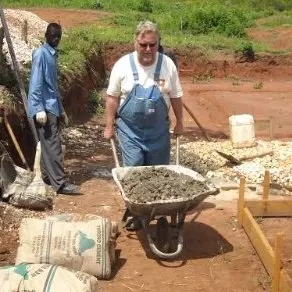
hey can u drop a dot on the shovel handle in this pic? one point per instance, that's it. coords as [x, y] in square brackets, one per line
[13, 138]
[115, 153]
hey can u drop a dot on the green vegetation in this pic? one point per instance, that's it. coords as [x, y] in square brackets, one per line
[96, 103]
[79, 43]
[207, 25]
[258, 85]
[279, 19]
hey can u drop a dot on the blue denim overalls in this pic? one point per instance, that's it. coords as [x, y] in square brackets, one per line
[143, 123]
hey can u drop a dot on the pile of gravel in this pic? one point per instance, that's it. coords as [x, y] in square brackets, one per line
[275, 156]
[36, 30]
[155, 184]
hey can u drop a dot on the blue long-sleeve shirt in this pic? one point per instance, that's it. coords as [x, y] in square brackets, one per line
[43, 89]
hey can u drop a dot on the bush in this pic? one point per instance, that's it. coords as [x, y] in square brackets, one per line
[96, 102]
[247, 51]
[229, 22]
[97, 5]
[145, 6]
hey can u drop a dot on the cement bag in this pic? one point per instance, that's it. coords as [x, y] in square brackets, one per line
[21, 192]
[45, 278]
[81, 246]
[74, 217]
[31, 201]
[22, 180]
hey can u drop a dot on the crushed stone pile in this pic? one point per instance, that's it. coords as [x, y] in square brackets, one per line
[36, 28]
[275, 156]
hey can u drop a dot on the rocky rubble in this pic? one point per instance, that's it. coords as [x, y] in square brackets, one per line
[36, 28]
[275, 156]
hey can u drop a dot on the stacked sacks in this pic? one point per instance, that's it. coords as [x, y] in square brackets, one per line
[86, 246]
[44, 277]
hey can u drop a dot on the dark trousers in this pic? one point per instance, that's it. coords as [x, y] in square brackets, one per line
[51, 159]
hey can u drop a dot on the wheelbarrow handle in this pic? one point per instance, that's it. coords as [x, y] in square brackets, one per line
[115, 153]
[177, 150]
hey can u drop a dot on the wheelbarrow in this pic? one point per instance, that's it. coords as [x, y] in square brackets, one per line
[168, 243]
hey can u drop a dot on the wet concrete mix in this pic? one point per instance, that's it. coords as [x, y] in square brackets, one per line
[154, 184]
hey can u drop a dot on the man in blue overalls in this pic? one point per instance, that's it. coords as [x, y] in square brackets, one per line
[141, 89]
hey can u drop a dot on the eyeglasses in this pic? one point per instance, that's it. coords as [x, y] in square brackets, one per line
[142, 45]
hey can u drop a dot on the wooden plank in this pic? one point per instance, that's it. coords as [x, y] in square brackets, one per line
[277, 262]
[240, 202]
[285, 282]
[259, 241]
[271, 208]
[266, 185]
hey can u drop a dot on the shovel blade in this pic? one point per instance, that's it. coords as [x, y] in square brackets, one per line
[230, 158]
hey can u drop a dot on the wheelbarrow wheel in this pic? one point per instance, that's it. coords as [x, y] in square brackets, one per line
[163, 235]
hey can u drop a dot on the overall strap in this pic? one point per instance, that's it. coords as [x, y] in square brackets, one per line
[158, 67]
[134, 68]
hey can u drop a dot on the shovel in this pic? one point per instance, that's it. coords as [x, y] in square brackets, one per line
[230, 158]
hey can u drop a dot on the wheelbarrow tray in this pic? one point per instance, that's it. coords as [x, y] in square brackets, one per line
[163, 207]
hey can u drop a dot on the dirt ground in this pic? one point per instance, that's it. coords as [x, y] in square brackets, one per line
[217, 255]
[272, 226]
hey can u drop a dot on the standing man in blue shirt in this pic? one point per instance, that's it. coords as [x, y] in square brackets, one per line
[45, 107]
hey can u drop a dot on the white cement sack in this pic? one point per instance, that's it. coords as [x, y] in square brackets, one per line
[73, 217]
[81, 246]
[76, 217]
[45, 278]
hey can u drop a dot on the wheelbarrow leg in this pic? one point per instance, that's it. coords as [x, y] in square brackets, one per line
[163, 234]
[162, 254]
[167, 233]
[131, 222]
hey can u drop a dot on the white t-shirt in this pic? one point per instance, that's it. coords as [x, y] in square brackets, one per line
[122, 80]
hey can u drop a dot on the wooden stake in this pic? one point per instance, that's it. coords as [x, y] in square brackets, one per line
[271, 129]
[240, 202]
[277, 262]
[266, 186]
[24, 31]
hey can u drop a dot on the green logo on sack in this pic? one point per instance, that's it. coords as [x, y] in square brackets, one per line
[85, 243]
[22, 271]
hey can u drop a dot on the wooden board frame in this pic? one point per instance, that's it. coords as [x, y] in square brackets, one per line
[271, 258]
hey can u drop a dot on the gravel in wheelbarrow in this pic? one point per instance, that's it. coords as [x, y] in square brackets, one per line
[161, 190]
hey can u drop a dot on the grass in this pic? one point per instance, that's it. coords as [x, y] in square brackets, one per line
[280, 19]
[90, 38]
[206, 25]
